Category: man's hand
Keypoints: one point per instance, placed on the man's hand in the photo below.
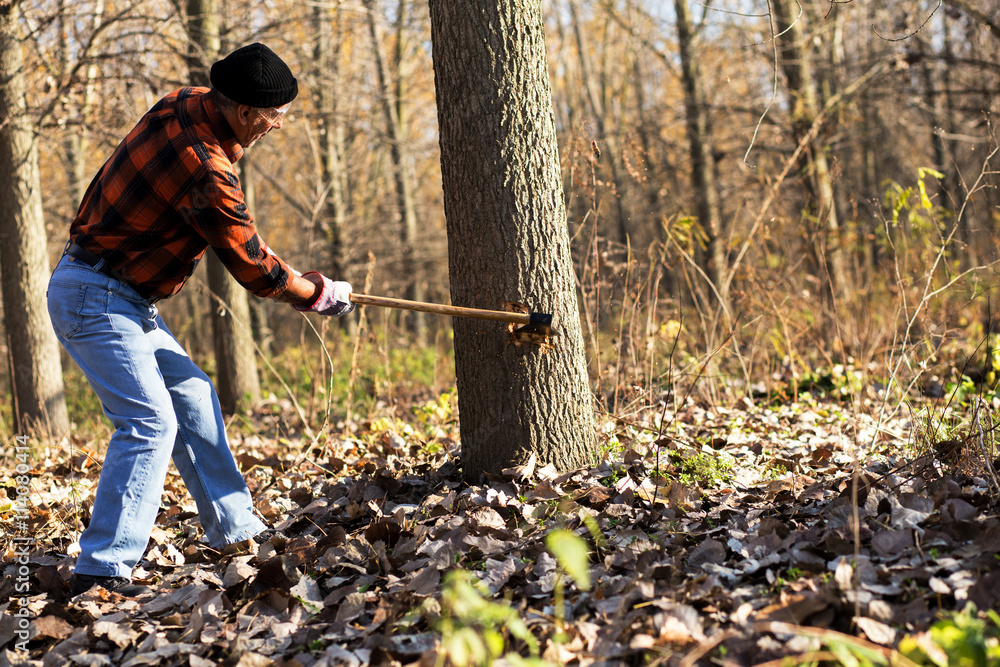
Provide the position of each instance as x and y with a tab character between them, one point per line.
334	298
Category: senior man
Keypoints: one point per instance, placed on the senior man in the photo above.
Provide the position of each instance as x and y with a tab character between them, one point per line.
167	194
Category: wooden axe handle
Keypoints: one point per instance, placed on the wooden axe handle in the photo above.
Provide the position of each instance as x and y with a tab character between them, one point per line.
441	309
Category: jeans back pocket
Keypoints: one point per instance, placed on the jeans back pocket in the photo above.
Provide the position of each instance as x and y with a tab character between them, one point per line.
65	303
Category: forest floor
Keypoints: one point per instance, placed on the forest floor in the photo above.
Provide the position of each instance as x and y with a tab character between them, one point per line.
713	536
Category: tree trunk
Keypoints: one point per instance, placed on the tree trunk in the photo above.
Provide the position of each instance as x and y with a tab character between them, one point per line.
700	150
235	364
78	141
393	105
507	237
596	101
333	173
951	186
35	367
796	62
260	328
202	21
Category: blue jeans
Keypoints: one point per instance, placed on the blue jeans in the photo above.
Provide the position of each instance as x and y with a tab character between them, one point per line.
161	405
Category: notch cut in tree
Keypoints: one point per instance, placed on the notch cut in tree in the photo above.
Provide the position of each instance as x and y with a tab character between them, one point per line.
507	237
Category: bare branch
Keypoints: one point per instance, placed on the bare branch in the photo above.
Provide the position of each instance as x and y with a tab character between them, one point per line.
919	28
977	14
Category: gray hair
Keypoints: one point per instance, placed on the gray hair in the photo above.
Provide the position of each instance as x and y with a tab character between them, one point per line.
224	102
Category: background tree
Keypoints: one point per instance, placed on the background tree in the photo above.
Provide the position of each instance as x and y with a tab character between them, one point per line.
796	57
594	90
507	236
332	181
701	151
35	369
235	362
91	71
392	94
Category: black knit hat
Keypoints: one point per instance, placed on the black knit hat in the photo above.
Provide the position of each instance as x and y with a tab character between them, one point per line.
254	75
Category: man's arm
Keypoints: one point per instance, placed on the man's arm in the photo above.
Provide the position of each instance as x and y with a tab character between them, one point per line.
301	291
227	226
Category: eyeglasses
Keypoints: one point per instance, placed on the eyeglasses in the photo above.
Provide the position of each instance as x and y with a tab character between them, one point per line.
274	115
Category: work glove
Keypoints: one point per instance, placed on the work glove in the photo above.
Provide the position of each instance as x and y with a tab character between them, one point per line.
333	301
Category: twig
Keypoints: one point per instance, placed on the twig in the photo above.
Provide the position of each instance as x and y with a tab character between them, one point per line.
811	134
357	338
928	293
704	647
690	389
982	442
910	34
291	395
894	657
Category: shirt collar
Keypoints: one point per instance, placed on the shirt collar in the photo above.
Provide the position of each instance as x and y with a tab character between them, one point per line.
223	132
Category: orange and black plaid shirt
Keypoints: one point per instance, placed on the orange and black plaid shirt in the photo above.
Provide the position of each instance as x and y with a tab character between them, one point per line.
167	194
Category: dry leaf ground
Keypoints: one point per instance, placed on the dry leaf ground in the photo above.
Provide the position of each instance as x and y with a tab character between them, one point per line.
730	537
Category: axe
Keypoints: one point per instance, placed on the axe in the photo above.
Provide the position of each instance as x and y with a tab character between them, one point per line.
535	328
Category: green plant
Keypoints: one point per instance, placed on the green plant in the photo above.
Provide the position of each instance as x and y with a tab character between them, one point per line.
617	473
438	411
473	628
704	468
571	553
914	200
959	391
960	639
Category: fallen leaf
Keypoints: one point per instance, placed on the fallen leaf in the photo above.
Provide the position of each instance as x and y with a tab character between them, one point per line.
709	551
52	627
879	633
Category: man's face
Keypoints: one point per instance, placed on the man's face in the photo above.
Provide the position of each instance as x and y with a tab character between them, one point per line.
255	122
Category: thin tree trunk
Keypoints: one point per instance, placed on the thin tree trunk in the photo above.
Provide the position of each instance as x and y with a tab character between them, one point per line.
951	188
260	328
796	62
596	102
507	237
700	148
235	361
393	105
333	174
35	367
78	141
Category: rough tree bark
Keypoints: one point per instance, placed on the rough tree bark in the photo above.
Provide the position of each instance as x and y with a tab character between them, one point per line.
35	367
260	327
235	364
507	237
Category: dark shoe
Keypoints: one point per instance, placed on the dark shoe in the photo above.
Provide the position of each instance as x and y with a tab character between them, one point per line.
264	535
249	545
81	583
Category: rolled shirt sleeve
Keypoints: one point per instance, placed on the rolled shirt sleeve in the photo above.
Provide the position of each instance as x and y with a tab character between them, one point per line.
218	213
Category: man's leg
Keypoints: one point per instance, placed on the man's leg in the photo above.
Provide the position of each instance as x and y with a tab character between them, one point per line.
105	330
201	450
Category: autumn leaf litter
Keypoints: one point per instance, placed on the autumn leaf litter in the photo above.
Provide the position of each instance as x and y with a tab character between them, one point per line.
707	530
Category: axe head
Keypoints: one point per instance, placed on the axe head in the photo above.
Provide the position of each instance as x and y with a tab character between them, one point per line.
539	331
